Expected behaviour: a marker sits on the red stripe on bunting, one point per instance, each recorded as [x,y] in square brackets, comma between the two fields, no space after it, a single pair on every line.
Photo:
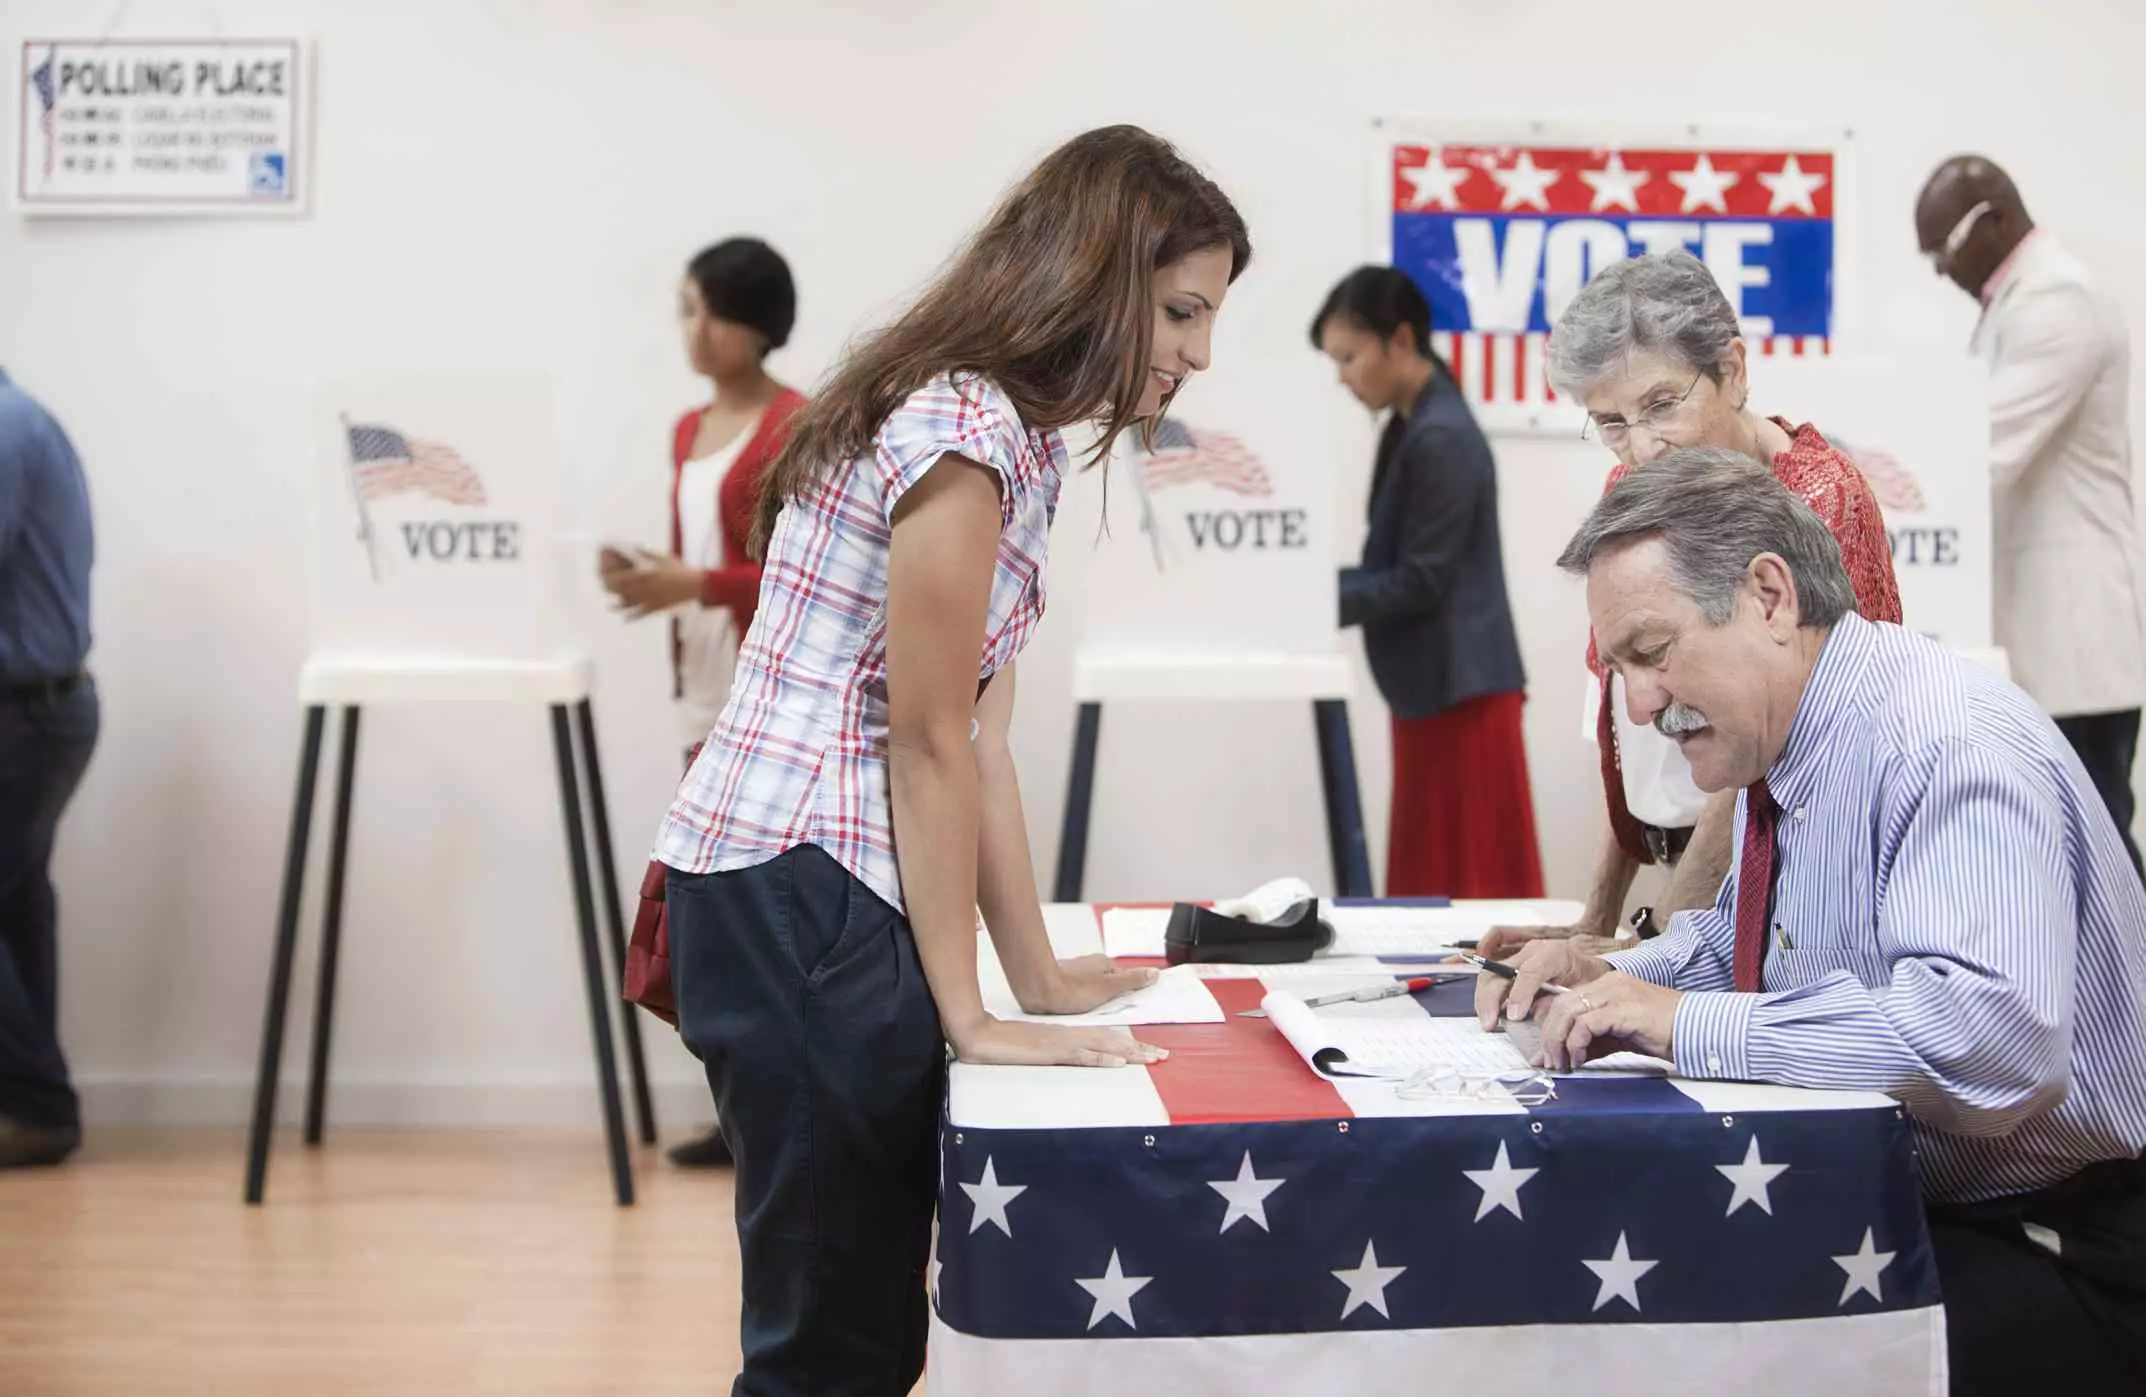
[1237,1070]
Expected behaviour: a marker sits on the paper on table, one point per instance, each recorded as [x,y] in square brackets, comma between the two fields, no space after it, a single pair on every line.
[1177,996]
[1135,931]
[1392,931]
[1340,1046]
[1330,968]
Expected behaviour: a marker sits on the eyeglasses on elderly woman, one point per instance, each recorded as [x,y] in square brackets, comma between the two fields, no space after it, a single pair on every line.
[1657,415]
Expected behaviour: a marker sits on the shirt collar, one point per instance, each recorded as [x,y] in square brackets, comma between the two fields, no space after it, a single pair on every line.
[2007,269]
[1828,697]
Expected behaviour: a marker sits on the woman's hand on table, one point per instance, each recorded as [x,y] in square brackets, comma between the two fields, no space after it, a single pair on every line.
[997,1042]
[1082,983]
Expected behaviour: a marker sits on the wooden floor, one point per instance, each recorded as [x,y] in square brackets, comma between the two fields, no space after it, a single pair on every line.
[406,1263]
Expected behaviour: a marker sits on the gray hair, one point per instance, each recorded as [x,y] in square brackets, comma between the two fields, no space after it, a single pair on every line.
[1716,510]
[1664,302]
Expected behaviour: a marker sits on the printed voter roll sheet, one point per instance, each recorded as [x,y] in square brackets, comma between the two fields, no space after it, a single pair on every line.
[1336,1045]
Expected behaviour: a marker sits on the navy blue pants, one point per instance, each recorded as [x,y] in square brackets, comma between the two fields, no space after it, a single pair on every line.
[800,991]
[45,742]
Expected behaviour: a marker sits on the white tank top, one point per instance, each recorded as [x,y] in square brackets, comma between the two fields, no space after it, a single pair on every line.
[708,635]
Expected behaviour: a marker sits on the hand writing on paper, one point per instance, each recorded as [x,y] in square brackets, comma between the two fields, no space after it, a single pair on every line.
[1559,961]
[1614,1013]
[1083,983]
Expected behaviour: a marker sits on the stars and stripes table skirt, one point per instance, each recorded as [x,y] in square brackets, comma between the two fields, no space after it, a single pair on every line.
[1228,1221]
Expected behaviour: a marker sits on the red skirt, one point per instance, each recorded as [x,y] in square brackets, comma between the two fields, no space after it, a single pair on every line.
[1463,817]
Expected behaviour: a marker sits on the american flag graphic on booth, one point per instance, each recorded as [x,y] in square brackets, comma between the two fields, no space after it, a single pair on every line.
[385,462]
[1502,237]
[1184,456]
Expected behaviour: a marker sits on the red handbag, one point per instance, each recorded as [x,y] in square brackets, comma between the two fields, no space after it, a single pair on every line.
[648,951]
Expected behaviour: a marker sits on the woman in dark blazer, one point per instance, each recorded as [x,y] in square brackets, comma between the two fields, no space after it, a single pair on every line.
[1430,596]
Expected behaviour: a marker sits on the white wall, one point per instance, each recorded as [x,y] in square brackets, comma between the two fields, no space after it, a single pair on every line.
[518,185]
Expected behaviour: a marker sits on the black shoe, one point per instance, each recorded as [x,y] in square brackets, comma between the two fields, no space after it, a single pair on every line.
[708,1152]
[34,1146]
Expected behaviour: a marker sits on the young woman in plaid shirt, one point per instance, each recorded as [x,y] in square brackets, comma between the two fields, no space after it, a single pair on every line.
[856,804]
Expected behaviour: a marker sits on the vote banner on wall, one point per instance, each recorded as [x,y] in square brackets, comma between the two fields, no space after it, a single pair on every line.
[434,510]
[1502,230]
[121,126]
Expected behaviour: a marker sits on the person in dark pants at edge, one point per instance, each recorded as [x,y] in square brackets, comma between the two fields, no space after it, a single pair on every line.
[48,725]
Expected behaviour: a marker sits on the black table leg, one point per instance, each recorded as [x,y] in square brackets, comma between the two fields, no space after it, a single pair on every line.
[1344,803]
[644,1105]
[279,976]
[331,940]
[592,968]
[1080,798]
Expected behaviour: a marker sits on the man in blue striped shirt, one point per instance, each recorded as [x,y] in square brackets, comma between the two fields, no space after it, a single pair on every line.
[1930,901]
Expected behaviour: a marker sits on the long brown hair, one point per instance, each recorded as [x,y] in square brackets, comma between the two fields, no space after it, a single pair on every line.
[1052,301]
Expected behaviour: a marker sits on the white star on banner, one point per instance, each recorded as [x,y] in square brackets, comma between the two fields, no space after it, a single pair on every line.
[1751,1179]
[1704,186]
[1619,1275]
[1367,1283]
[1435,181]
[1247,1195]
[1500,1184]
[1792,188]
[1113,1292]
[1864,1268]
[991,1197]
[1526,184]
[1615,187]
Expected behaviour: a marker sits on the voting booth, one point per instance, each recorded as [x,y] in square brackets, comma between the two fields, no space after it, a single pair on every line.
[436,573]
[1919,431]
[1228,596]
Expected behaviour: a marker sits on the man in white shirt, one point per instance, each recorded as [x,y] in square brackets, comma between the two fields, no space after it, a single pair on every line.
[2069,576]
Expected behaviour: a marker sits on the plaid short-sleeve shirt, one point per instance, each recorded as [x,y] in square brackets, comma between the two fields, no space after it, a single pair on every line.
[799,755]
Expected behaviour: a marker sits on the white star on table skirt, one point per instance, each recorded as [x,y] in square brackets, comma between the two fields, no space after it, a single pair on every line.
[1616,187]
[1704,186]
[1751,1179]
[1865,1270]
[1792,188]
[1435,182]
[1619,1275]
[1113,1292]
[1246,1194]
[1367,1283]
[991,1197]
[1525,184]
[1500,1184]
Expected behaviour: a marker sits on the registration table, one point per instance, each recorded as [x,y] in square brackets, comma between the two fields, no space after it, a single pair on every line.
[1229,1221]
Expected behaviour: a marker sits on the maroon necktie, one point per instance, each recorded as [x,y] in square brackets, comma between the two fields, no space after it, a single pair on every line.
[1754,886]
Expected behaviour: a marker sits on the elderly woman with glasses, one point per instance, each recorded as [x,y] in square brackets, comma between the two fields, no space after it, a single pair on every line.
[1653,351]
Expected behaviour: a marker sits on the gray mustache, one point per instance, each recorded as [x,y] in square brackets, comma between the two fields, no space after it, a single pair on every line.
[1678,719]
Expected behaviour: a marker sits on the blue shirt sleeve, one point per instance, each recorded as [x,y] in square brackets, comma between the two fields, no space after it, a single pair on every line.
[1976,925]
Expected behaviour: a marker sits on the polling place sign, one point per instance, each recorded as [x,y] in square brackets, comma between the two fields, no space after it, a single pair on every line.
[179,126]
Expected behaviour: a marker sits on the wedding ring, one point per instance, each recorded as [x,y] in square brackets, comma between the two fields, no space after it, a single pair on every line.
[1586,1006]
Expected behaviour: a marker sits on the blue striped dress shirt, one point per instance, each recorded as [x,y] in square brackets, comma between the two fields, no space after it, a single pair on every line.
[1954,922]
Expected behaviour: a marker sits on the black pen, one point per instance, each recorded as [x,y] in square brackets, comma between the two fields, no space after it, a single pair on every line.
[1499,967]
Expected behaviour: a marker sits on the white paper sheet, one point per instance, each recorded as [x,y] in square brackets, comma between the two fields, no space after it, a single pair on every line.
[1335,1045]
[1177,996]
[1134,931]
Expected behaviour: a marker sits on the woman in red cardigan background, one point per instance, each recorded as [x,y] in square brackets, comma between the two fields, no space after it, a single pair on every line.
[736,305]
